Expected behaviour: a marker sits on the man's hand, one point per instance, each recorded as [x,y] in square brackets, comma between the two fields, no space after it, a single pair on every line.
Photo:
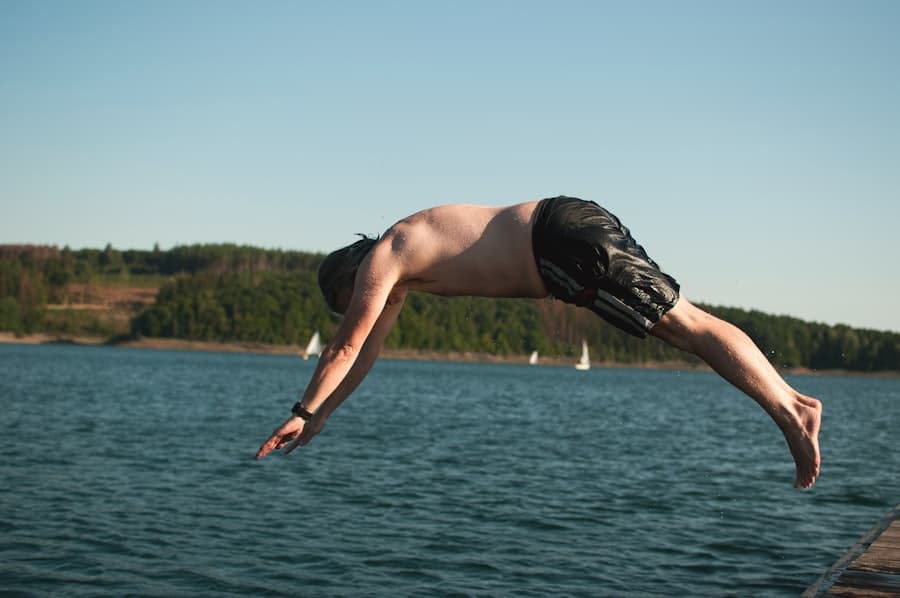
[292,429]
[289,430]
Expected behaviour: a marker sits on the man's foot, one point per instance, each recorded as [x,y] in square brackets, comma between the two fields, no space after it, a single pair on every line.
[803,440]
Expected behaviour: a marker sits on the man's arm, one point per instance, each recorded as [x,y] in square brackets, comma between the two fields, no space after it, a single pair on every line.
[367,357]
[374,294]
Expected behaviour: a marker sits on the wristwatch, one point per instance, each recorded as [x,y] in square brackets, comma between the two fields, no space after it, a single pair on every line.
[301,412]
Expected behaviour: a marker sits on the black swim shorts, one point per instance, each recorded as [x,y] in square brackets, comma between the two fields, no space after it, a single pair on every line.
[586,257]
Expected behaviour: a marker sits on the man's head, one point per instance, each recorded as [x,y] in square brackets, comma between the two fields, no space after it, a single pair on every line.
[338,272]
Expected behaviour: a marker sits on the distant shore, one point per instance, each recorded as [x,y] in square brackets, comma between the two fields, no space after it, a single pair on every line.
[405,354]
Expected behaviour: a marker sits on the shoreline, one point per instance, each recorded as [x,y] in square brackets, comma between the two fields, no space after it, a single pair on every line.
[168,344]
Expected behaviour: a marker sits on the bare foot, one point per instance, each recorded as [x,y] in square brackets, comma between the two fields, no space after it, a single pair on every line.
[803,441]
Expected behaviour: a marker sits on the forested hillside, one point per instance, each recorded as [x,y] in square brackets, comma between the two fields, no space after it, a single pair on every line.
[234,293]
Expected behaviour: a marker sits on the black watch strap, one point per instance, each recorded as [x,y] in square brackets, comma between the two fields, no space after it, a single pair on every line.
[300,412]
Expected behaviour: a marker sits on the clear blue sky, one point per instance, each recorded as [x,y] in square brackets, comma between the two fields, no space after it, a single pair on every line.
[753,148]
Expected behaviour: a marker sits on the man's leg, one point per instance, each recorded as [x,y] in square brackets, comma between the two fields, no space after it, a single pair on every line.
[735,357]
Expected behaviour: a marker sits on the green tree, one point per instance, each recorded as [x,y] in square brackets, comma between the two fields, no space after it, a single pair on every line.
[10,319]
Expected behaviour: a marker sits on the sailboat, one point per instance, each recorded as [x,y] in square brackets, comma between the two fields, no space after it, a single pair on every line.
[533,359]
[585,362]
[314,347]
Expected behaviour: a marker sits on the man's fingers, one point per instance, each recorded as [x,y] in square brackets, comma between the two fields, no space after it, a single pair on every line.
[303,438]
[265,449]
[272,443]
[285,439]
[280,437]
[289,449]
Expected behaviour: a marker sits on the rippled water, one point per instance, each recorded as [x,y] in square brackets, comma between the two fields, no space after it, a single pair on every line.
[132,472]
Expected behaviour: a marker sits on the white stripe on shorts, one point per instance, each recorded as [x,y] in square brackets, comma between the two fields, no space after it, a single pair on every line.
[560,276]
[616,307]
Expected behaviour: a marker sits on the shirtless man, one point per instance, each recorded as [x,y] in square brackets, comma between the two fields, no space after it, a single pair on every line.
[571,249]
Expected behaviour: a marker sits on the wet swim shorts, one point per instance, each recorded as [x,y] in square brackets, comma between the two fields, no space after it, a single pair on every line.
[586,257]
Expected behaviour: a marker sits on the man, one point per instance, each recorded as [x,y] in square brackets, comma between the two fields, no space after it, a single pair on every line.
[562,246]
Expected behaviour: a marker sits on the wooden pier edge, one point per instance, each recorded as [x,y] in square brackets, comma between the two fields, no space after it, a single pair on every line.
[830,580]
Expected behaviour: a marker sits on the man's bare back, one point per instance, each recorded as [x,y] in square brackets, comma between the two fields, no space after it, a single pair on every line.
[467,250]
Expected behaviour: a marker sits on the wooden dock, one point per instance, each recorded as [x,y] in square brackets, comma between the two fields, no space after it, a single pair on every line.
[871,569]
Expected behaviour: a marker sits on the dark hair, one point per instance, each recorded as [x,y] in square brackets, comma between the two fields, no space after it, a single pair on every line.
[338,269]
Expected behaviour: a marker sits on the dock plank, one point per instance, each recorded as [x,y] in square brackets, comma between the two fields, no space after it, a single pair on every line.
[870,569]
[883,556]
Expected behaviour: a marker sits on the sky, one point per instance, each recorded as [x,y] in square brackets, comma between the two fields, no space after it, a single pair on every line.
[753,148]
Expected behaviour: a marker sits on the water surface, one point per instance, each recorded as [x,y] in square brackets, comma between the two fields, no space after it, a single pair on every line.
[130,471]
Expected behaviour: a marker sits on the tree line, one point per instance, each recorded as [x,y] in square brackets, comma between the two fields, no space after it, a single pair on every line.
[233,293]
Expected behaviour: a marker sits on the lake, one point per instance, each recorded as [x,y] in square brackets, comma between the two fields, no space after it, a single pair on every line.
[131,472]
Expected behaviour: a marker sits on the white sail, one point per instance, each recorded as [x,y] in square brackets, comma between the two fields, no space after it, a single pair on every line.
[314,347]
[585,362]
[534,358]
